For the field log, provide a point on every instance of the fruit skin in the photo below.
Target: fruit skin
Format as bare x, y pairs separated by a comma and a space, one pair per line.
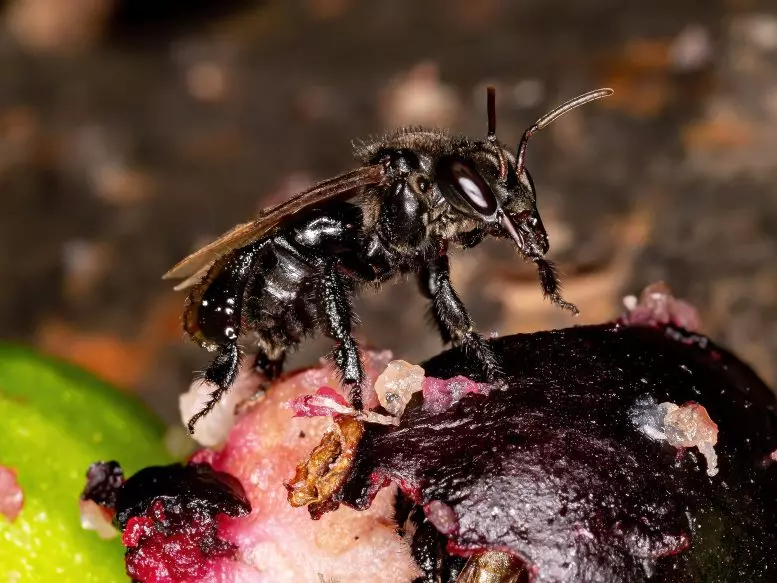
170, 518
56, 421
554, 467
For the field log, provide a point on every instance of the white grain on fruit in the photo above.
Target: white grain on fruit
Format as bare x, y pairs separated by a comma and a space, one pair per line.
397, 384
688, 425
95, 517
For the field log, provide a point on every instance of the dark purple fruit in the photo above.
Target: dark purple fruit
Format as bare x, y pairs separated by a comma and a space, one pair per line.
197, 488
169, 517
103, 481
555, 470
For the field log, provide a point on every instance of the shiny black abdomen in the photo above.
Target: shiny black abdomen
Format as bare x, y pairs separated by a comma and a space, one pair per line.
265, 293
276, 310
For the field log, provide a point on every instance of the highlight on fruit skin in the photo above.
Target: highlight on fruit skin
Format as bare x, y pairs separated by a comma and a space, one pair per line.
637, 450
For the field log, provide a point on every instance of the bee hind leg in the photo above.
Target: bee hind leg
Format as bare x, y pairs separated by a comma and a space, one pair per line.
222, 372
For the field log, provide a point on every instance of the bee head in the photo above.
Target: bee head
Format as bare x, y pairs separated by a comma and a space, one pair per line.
494, 186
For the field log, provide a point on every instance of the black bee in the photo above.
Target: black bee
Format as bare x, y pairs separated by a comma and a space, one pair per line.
294, 269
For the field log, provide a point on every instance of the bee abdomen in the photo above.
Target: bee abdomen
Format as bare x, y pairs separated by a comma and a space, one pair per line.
213, 313
276, 299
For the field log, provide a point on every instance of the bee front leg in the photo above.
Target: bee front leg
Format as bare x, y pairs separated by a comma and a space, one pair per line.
336, 314
451, 316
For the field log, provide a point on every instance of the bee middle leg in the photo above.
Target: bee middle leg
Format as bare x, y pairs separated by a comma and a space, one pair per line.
451, 316
270, 370
268, 364
336, 313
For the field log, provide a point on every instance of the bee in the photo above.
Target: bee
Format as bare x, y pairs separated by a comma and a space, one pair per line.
295, 268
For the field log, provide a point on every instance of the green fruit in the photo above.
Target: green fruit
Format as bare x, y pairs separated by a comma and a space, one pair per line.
57, 420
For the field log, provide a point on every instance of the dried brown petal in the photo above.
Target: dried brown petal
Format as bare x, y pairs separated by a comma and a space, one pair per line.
320, 477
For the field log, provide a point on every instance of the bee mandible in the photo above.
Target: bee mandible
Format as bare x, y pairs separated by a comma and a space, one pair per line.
293, 270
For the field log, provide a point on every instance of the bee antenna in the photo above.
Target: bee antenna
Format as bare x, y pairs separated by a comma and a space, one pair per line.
491, 105
552, 116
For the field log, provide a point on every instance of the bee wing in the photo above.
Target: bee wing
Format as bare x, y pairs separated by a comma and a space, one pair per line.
244, 234
195, 278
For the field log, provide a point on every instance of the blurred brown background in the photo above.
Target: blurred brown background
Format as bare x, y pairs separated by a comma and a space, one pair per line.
132, 131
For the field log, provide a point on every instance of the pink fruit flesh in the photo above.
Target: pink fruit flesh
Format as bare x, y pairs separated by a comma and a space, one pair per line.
11, 495
440, 394
281, 544
324, 402
162, 548
656, 306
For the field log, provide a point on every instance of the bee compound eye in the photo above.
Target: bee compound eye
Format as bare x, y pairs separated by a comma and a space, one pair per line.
461, 184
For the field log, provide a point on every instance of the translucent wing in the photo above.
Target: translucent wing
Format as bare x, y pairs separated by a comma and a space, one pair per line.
246, 233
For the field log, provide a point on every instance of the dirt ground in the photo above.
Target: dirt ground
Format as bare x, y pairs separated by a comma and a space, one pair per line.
132, 132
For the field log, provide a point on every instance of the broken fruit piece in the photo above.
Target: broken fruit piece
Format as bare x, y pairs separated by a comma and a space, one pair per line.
169, 517
441, 394
274, 543
656, 306
681, 426
397, 384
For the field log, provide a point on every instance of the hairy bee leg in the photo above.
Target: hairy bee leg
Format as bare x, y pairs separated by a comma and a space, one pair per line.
270, 367
222, 372
336, 312
551, 286
451, 316
428, 549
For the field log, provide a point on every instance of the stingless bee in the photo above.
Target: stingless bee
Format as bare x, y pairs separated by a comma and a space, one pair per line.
295, 268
